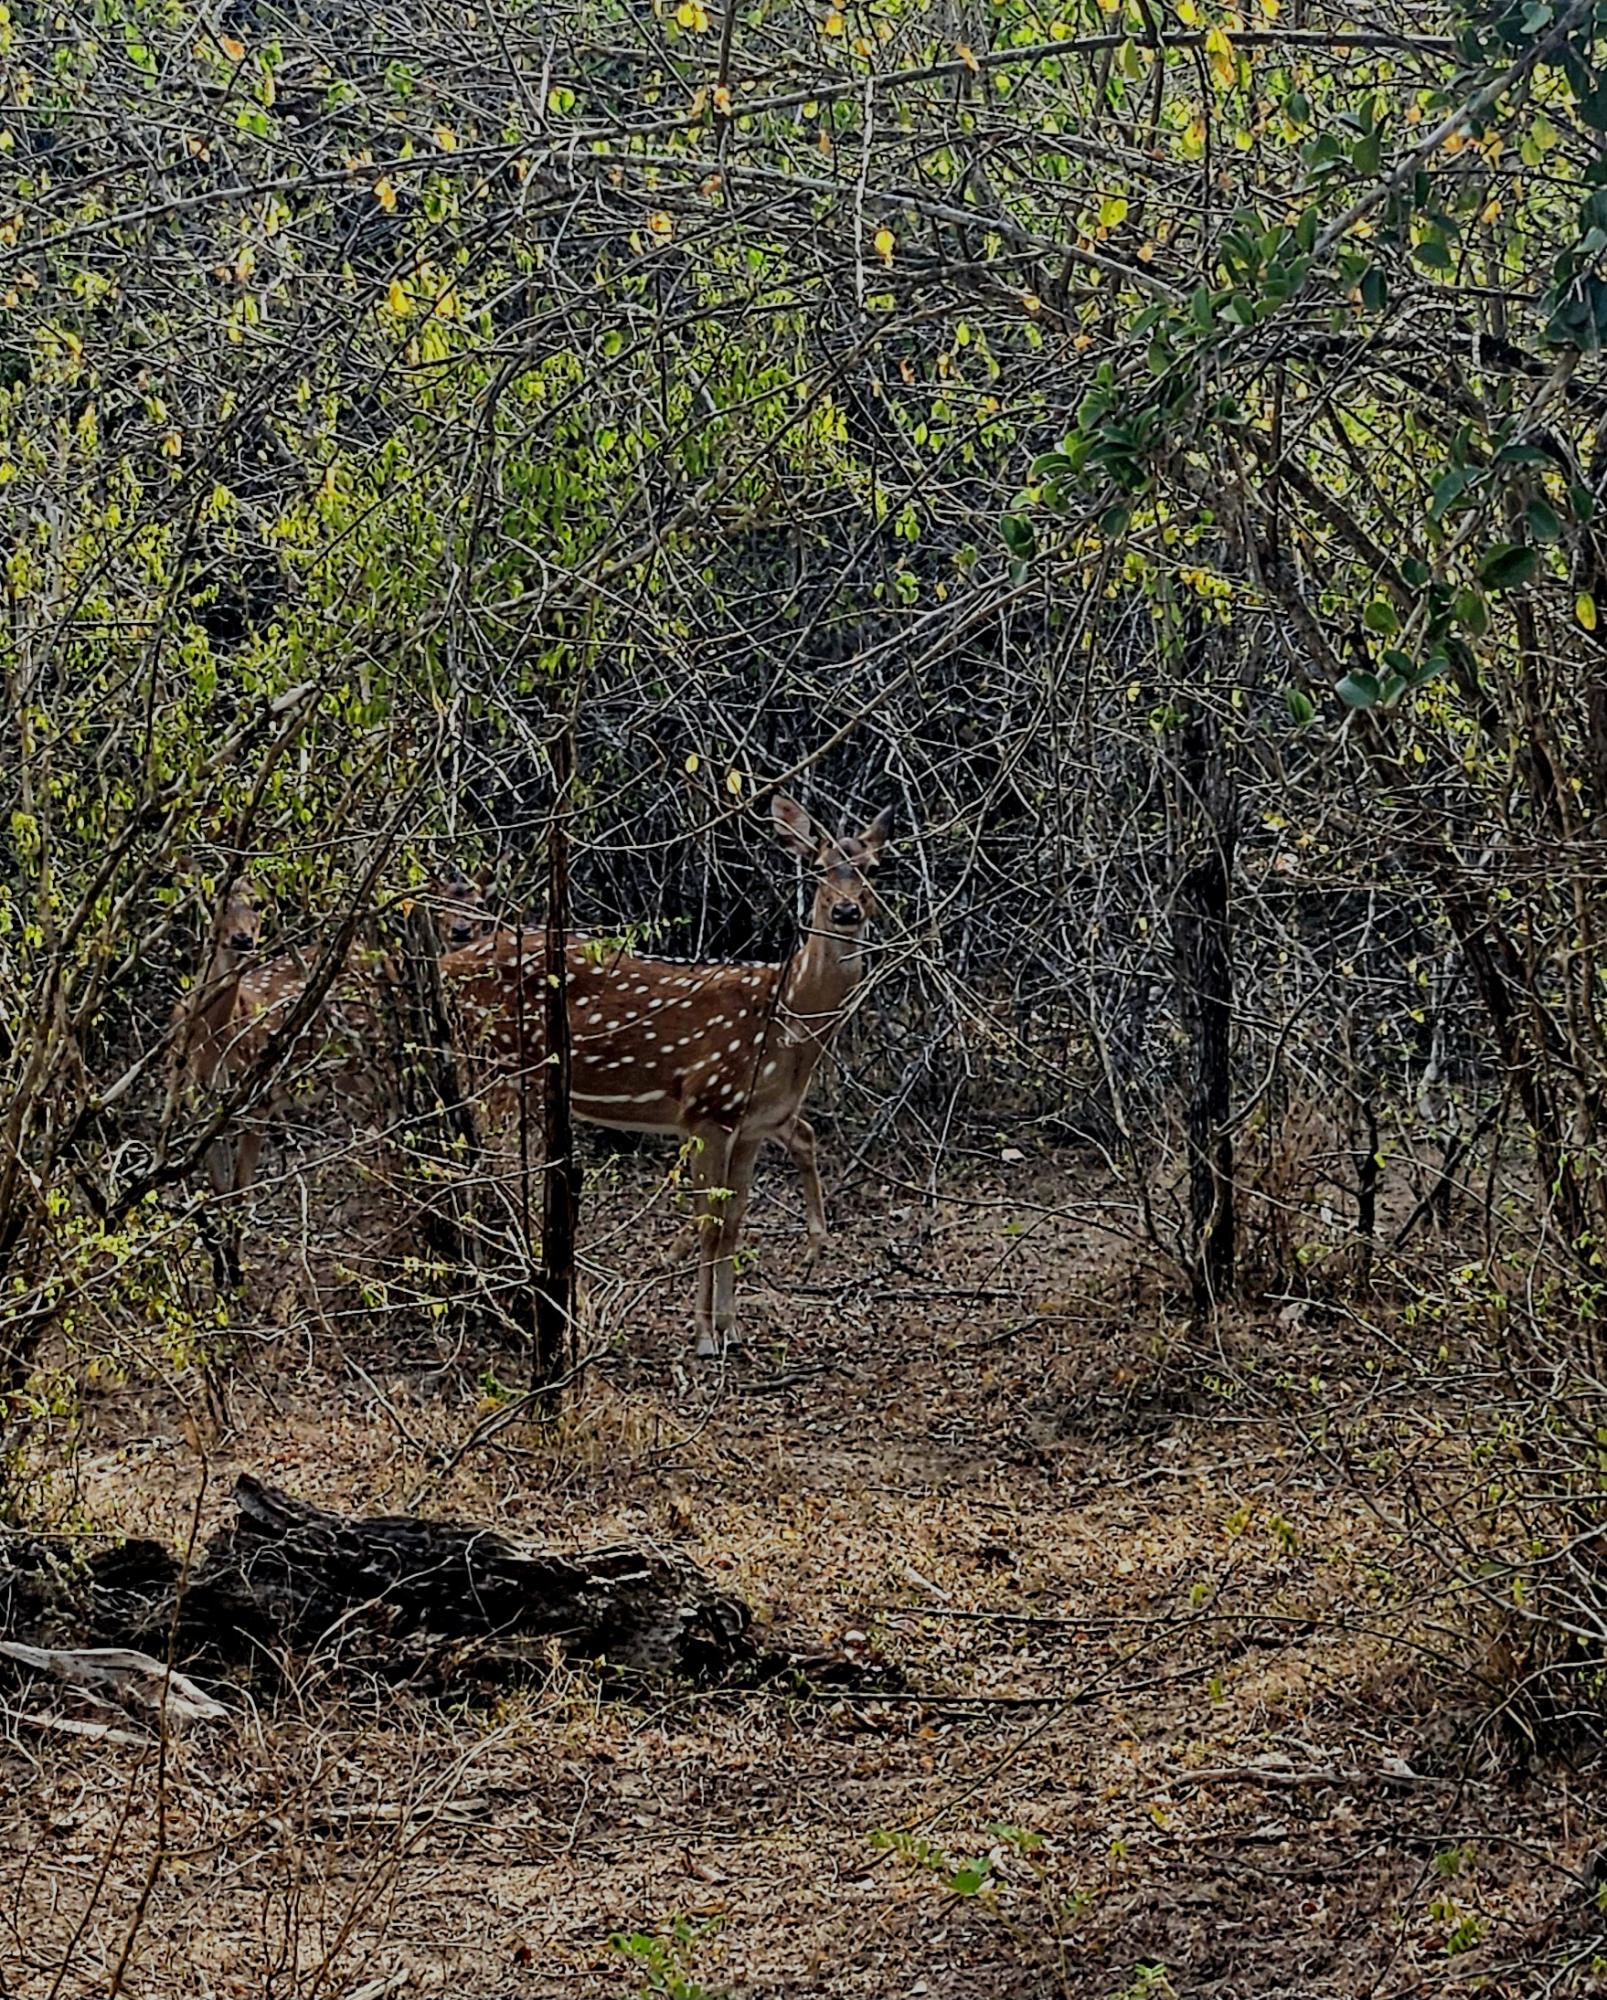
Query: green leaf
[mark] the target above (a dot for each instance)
(1300, 706)
(1380, 617)
(1447, 488)
(1019, 536)
(1359, 689)
(1473, 612)
(1507, 565)
(1544, 524)
(1374, 288)
(1523, 454)
(1415, 571)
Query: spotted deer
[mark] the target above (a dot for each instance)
(225, 1022)
(720, 1054)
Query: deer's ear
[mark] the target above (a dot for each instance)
(794, 827)
(873, 838)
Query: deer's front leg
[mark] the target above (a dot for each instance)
(800, 1144)
(220, 1225)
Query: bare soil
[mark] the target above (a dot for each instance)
(1180, 1715)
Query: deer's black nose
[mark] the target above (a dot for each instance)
(847, 914)
(241, 941)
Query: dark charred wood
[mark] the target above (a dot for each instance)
(403, 1598)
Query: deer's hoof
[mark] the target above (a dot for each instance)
(709, 1347)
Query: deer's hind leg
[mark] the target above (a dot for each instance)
(733, 1212)
(714, 1151)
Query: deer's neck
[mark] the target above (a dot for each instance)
(215, 1000)
(818, 985)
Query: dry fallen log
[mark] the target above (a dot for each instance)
(119, 1670)
(391, 1595)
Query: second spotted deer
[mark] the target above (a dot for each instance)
(722, 1055)
(225, 1025)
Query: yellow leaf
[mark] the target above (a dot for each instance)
(884, 245)
(234, 50)
(172, 445)
(1188, 13)
(692, 763)
(1031, 302)
(692, 14)
(1585, 610)
(245, 264)
(1146, 253)
(446, 138)
(1219, 53)
(385, 195)
(833, 23)
(398, 301)
(1271, 8)
(722, 99)
(661, 224)
(733, 782)
(967, 55)
(824, 142)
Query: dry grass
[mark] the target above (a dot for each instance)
(1172, 1681)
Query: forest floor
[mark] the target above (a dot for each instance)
(1179, 1715)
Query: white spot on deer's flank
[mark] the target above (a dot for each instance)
(769, 1068)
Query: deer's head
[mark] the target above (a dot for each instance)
(843, 865)
(239, 920)
(459, 904)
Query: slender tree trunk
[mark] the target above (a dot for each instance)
(1208, 809)
(438, 1122)
(560, 1185)
(1367, 1171)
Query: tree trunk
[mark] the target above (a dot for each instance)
(560, 1185)
(1208, 809)
(439, 1130)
